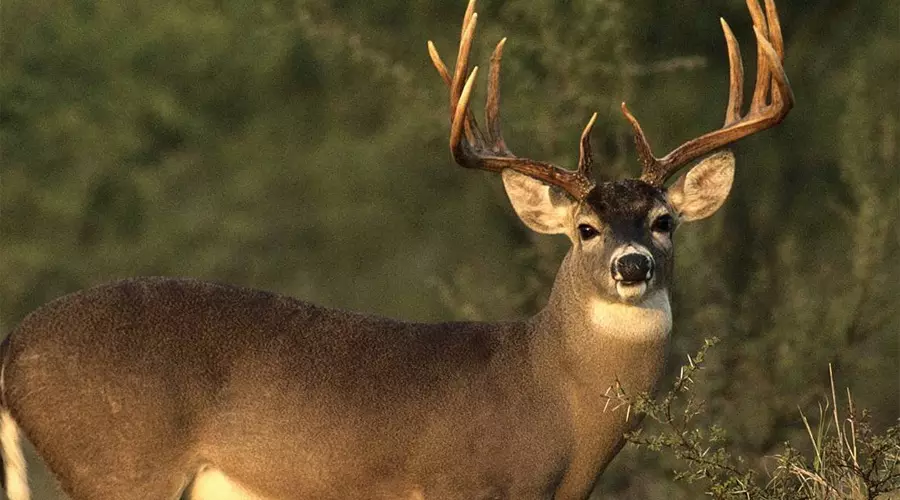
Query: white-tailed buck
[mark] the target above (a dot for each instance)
(154, 388)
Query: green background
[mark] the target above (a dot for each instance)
(301, 146)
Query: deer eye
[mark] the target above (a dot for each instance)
(586, 231)
(663, 224)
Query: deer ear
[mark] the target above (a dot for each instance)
(703, 189)
(543, 208)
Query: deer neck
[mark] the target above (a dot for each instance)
(590, 349)
(599, 343)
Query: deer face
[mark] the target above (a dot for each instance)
(622, 232)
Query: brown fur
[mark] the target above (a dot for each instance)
(149, 380)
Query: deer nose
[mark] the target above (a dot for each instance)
(632, 268)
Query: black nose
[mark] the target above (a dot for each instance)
(632, 267)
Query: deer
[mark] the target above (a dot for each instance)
(170, 388)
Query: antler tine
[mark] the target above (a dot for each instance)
(459, 116)
(775, 29)
(585, 156)
(467, 17)
(439, 64)
(462, 58)
(467, 142)
(492, 109)
(771, 81)
(783, 96)
(473, 132)
(735, 76)
(645, 154)
(763, 75)
(776, 39)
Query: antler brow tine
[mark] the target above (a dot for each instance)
(585, 156)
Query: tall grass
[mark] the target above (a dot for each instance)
(845, 458)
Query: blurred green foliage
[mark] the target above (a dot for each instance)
(300, 146)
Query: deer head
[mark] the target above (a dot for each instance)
(621, 231)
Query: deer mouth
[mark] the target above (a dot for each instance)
(631, 291)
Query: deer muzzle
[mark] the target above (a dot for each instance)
(632, 271)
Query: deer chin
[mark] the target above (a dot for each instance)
(631, 292)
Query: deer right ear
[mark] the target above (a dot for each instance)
(543, 208)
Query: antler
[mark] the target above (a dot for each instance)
(473, 148)
(772, 99)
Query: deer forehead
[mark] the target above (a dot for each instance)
(625, 201)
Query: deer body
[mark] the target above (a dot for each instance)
(296, 399)
(155, 388)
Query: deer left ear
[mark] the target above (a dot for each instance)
(542, 207)
(703, 189)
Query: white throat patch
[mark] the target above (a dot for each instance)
(647, 319)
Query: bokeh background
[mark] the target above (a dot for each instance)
(301, 146)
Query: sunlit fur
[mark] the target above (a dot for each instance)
(213, 484)
(15, 470)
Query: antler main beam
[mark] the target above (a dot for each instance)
(772, 100)
(486, 150)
